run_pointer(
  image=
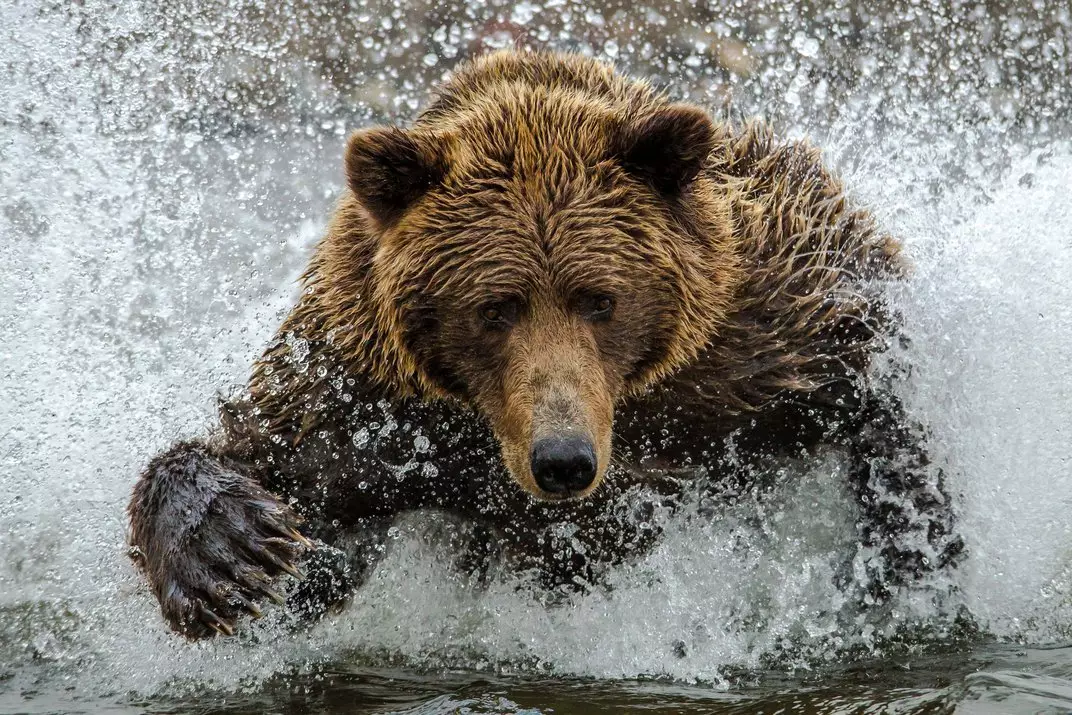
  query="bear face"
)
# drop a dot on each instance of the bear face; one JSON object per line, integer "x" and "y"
{"x": 543, "y": 253}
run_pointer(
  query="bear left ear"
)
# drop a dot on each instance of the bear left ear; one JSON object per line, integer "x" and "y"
{"x": 389, "y": 168}
{"x": 668, "y": 148}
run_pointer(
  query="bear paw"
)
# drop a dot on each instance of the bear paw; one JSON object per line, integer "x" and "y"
{"x": 211, "y": 541}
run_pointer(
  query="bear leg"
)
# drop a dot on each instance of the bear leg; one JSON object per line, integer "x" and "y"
{"x": 908, "y": 520}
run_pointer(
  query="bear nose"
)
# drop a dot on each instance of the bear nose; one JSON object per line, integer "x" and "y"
{"x": 563, "y": 463}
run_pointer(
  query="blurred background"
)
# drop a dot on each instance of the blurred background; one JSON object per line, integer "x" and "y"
{"x": 236, "y": 62}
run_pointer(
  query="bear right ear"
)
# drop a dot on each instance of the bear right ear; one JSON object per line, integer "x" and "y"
{"x": 389, "y": 168}
{"x": 668, "y": 148}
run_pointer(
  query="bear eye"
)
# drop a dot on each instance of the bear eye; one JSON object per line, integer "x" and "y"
{"x": 601, "y": 308}
{"x": 498, "y": 315}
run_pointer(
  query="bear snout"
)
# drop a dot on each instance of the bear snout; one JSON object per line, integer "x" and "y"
{"x": 563, "y": 463}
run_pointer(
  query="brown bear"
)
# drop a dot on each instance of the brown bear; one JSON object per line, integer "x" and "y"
{"x": 543, "y": 308}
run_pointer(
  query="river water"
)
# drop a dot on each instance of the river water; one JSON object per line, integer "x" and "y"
{"x": 164, "y": 172}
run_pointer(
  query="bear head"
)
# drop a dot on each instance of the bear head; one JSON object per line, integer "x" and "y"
{"x": 540, "y": 245}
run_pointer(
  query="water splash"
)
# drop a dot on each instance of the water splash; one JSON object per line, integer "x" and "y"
{"x": 993, "y": 306}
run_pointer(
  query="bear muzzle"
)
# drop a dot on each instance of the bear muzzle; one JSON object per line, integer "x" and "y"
{"x": 554, "y": 416}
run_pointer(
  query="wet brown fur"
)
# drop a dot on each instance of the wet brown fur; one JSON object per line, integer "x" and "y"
{"x": 747, "y": 293}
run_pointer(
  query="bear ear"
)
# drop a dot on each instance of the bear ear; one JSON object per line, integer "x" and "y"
{"x": 389, "y": 168}
{"x": 667, "y": 148}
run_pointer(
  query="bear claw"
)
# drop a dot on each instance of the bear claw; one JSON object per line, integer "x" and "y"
{"x": 215, "y": 622}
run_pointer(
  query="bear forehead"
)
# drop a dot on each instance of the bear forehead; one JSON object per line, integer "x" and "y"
{"x": 533, "y": 131}
{"x": 510, "y": 244}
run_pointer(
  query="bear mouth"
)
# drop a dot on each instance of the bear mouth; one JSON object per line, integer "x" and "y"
{"x": 566, "y": 497}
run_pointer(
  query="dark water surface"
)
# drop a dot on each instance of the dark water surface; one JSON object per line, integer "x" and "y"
{"x": 987, "y": 679}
